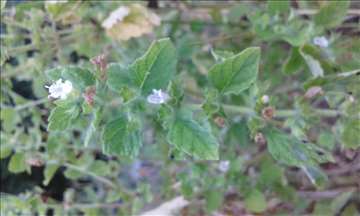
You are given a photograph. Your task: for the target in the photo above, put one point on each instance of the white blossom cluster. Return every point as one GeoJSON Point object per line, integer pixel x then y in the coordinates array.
{"type": "Point", "coordinates": [60, 89]}
{"type": "Point", "coordinates": [158, 97]}
{"type": "Point", "coordinates": [224, 166]}
{"type": "Point", "coordinates": [265, 99]}
{"type": "Point", "coordinates": [321, 41]}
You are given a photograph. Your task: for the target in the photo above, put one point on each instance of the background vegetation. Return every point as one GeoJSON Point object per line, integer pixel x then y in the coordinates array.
{"type": "Point", "coordinates": [286, 132]}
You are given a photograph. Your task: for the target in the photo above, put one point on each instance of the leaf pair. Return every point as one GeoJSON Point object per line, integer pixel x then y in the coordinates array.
{"type": "Point", "coordinates": [123, 137]}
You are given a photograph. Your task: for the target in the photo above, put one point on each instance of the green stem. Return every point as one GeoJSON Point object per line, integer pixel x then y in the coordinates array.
{"type": "Point", "coordinates": [278, 113]}
{"type": "Point", "coordinates": [14, 23]}
{"type": "Point", "coordinates": [27, 105]}
{"type": "Point", "coordinates": [87, 205]}
{"type": "Point", "coordinates": [20, 49]}
{"type": "Point", "coordinates": [318, 112]}
{"type": "Point", "coordinates": [349, 73]}
{"type": "Point", "coordinates": [32, 104]}
{"type": "Point", "coordinates": [84, 171]}
{"type": "Point", "coordinates": [99, 178]}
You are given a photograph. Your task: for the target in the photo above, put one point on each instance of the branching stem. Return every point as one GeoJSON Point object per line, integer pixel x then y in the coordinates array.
{"type": "Point", "coordinates": [278, 113]}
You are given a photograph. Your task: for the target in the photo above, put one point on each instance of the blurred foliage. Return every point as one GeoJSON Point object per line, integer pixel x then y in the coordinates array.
{"type": "Point", "coordinates": [261, 119]}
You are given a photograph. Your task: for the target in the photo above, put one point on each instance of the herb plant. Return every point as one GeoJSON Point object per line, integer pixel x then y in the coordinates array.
{"type": "Point", "coordinates": [199, 108]}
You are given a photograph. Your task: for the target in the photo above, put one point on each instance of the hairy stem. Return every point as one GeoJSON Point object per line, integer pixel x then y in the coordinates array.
{"type": "Point", "coordinates": [278, 113]}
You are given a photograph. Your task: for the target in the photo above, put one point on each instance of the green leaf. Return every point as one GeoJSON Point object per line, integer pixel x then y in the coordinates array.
{"type": "Point", "coordinates": [313, 64]}
{"type": "Point", "coordinates": [289, 150]}
{"type": "Point", "coordinates": [322, 208]}
{"type": "Point", "coordinates": [351, 134]}
{"type": "Point", "coordinates": [118, 77]}
{"type": "Point", "coordinates": [100, 168]}
{"type": "Point", "coordinates": [316, 175]}
{"type": "Point", "coordinates": [338, 203]}
{"type": "Point", "coordinates": [3, 3]}
{"type": "Point", "coordinates": [211, 104]}
{"type": "Point", "coordinates": [186, 187]}
{"type": "Point", "coordinates": [318, 61]}
{"type": "Point", "coordinates": [90, 133]}
{"type": "Point", "coordinates": [49, 172]}
{"type": "Point", "coordinates": [9, 117]}
{"type": "Point", "coordinates": [5, 151]}
{"type": "Point", "coordinates": [156, 68]}
{"type": "Point", "coordinates": [276, 6]}
{"type": "Point", "coordinates": [17, 163]}
{"type": "Point", "coordinates": [221, 55]}
{"type": "Point", "coordinates": [294, 62]}
{"type": "Point", "coordinates": [332, 14]}
{"type": "Point", "coordinates": [193, 139]}
{"type": "Point", "coordinates": [78, 76]}
{"type": "Point", "coordinates": [73, 174]}
{"type": "Point", "coordinates": [327, 140]}
{"type": "Point", "coordinates": [213, 199]}
{"type": "Point", "coordinates": [56, 10]}
{"type": "Point", "coordinates": [54, 73]}
{"type": "Point", "coordinates": [271, 173]}
{"type": "Point", "coordinates": [61, 117]}
{"type": "Point", "coordinates": [238, 134]}
{"type": "Point", "coordinates": [236, 73]}
{"type": "Point", "coordinates": [255, 201]}
{"type": "Point", "coordinates": [122, 137]}
{"type": "Point", "coordinates": [237, 11]}
{"type": "Point", "coordinates": [176, 92]}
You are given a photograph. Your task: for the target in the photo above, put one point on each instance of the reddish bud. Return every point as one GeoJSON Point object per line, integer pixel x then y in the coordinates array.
{"type": "Point", "coordinates": [268, 113]}
{"type": "Point", "coordinates": [260, 139]}
{"type": "Point", "coordinates": [89, 95]}
{"type": "Point", "coordinates": [219, 121]}
{"type": "Point", "coordinates": [100, 62]}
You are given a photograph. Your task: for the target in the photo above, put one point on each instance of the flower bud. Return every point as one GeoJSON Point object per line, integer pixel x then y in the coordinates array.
{"type": "Point", "coordinates": [100, 62]}
{"type": "Point", "coordinates": [219, 121]}
{"type": "Point", "coordinates": [265, 99]}
{"type": "Point", "coordinates": [268, 113]}
{"type": "Point", "coordinates": [260, 139]}
{"type": "Point", "coordinates": [89, 95]}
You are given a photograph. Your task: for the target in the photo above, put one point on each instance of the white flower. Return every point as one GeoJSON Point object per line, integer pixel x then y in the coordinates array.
{"type": "Point", "coordinates": [60, 89]}
{"type": "Point", "coordinates": [321, 41]}
{"type": "Point", "coordinates": [116, 16]}
{"type": "Point", "coordinates": [158, 97]}
{"type": "Point", "coordinates": [224, 166]}
{"type": "Point", "coordinates": [55, 1]}
{"type": "Point", "coordinates": [351, 99]}
{"type": "Point", "coordinates": [265, 99]}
